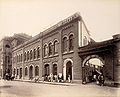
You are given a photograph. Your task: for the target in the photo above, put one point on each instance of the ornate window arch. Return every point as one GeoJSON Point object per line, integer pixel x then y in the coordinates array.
{"type": "Point", "coordinates": [71, 40]}
{"type": "Point", "coordinates": [25, 56]}
{"type": "Point", "coordinates": [50, 48]}
{"type": "Point", "coordinates": [28, 55]}
{"type": "Point", "coordinates": [55, 45]}
{"type": "Point", "coordinates": [34, 53]}
{"type": "Point", "coordinates": [38, 52]}
{"type": "Point", "coordinates": [45, 50]}
{"type": "Point", "coordinates": [65, 44]}
{"type": "Point", "coordinates": [31, 54]}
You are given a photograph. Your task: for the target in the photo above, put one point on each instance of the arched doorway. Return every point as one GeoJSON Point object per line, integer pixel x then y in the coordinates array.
{"type": "Point", "coordinates": [46, 70]}
{"type": "Point", "coordinates": [55, 69]}
{"type": "Point", "coordinates": [68, 69]}
{"type": "Point", "coordinates": [31, 72]}
{"type": "Point", "coordinates": [36, 71]}
{"type": "Point", "coordinates": [20, 73]}
{"type": "Point", "coordinates": [92, 68]}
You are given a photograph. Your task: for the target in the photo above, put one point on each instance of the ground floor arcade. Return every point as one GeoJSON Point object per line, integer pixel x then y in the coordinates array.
{"type": "Point", "coordinates": [34, 71]}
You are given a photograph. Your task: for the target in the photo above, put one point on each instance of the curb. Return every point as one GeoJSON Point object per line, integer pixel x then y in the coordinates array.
{"type": "Point", "coordinates": [51, 83]}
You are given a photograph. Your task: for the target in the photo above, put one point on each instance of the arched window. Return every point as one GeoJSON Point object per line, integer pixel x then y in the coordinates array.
{"type": "Point", "coordinates": [25, 56]}
{"type": "Point", "coordinates": [36, 71]}
{"type": "Point", "coordinates": [64, 44]}
{"type": "Point", "coordinates": [20, 73]}
{"type": "Point", "coordinates": [34, 53]}
{"type": "Point", "coordinates": [28, 55]}
{"type": "Point", "coordinates": [21, 57]}
{"type": "Point", "coordinates": [38, 52]}
{"type": "Point", "coordinates": [7, 46]}
{"type": "Point", "coordinates": [71, 42]}
{"type": "Point", "coordinates": [46, 70]}
{"type": "Point", "coordinates": [85, 41]}
{"type": "Point", "coordinates": [50, 49]}
{"type": "Point", "coordinates": [31, 55]}
{"type": "Point", "coordinates": [55, 47]}
{"type": "Point", "coordinates": [26, 71]}
{"type": "Point", "coordinates": [45, 50]}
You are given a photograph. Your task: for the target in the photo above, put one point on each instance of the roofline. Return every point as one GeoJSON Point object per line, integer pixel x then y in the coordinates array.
{"type": "Point", "coordinates": [54, 27]}
{"type": "Point", "coordinates": [98, 45]}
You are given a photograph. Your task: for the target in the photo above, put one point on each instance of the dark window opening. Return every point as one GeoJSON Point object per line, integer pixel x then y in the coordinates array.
{"type": "Point", "coordinates": [71, 42]}
{"type": "Point", "coordinates": [64, 44]}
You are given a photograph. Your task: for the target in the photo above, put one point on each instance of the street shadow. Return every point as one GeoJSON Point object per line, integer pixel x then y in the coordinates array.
{"type": "Point", "coordinates": [115, 85]}
{"type": "Point", "coordinates": [7, 86]}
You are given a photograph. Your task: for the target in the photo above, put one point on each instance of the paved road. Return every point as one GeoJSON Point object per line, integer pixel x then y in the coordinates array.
{"type": "Point", "coordinates": [27, 89]}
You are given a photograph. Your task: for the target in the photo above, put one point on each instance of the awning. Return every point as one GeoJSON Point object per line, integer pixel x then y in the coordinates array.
{"type": "Point", "coordinates": [96, 61]}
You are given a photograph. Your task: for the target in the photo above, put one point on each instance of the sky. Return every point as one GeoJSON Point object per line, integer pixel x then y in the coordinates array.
{"type": "Point", "coordinates": [102, 17]}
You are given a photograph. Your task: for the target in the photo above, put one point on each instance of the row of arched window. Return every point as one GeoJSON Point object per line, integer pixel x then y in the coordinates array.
{"type": "Point", "coordinates": [68, 43]}
{"type": "Point", "coordinates": [51, 48]}
{"type": "Point", "coordinates": [36, 70]}
{"type": "Point", "coordinates": [29, 55]}
{"type": "Point", "coordinates": [19, 58]}
{"type": "Point", "coordinates": [32, 54]}
{"type": "Point", "coordinates": [30, 70]}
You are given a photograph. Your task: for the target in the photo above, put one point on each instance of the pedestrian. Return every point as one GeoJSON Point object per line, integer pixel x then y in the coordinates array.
{"type": "Point", "coordinates": [55, 76]}
{"type": "Point", "coordinates": [51, 77]}
{"type": "Point", "coordinates": [69, 78]}
{"type": "Point", "coordinates": [102, 79]}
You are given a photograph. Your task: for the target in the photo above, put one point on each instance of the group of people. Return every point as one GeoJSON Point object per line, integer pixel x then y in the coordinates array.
{"type": "Point", "coordinates": [51, 78]}
{"type": "Point", "coordinates": [9, 77]}
{"type": "Point", "coordinates": [95, 76]}
{"type": "Point", "coordinates": [99, 79]}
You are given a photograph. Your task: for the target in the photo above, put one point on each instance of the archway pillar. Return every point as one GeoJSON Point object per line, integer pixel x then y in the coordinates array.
{"type": "Point", "coordinates": [33, 72]}
{"type": "Point", "coordinates": [51, 68]}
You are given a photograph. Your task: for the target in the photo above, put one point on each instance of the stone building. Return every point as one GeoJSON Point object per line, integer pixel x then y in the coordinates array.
{"type": "Point", "coordinates": [54, 50]}
{"type": "Point", "coordinates": [63, 49]}
{"type": "Point", "coordinates": [6, 46]}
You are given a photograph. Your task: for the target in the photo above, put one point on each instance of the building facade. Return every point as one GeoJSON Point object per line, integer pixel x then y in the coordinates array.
{"type": "Point", "coordinates": [64, 49]}
{"type": "Point", "coordinates": [6, 46]}
{"type": "Point", "coordinates": [54, 50]}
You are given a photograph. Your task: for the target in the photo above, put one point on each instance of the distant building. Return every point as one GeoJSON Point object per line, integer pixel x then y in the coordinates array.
{"type": "Point", "coordinates": [6, 46]}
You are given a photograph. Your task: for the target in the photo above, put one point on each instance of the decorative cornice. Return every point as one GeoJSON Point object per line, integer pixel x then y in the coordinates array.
{"type": "Point", "coordinates": [56, 26]}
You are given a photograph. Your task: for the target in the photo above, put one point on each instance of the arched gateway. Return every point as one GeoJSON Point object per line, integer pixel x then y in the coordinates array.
{"type": "Point", "coordinates": [92, 66]}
